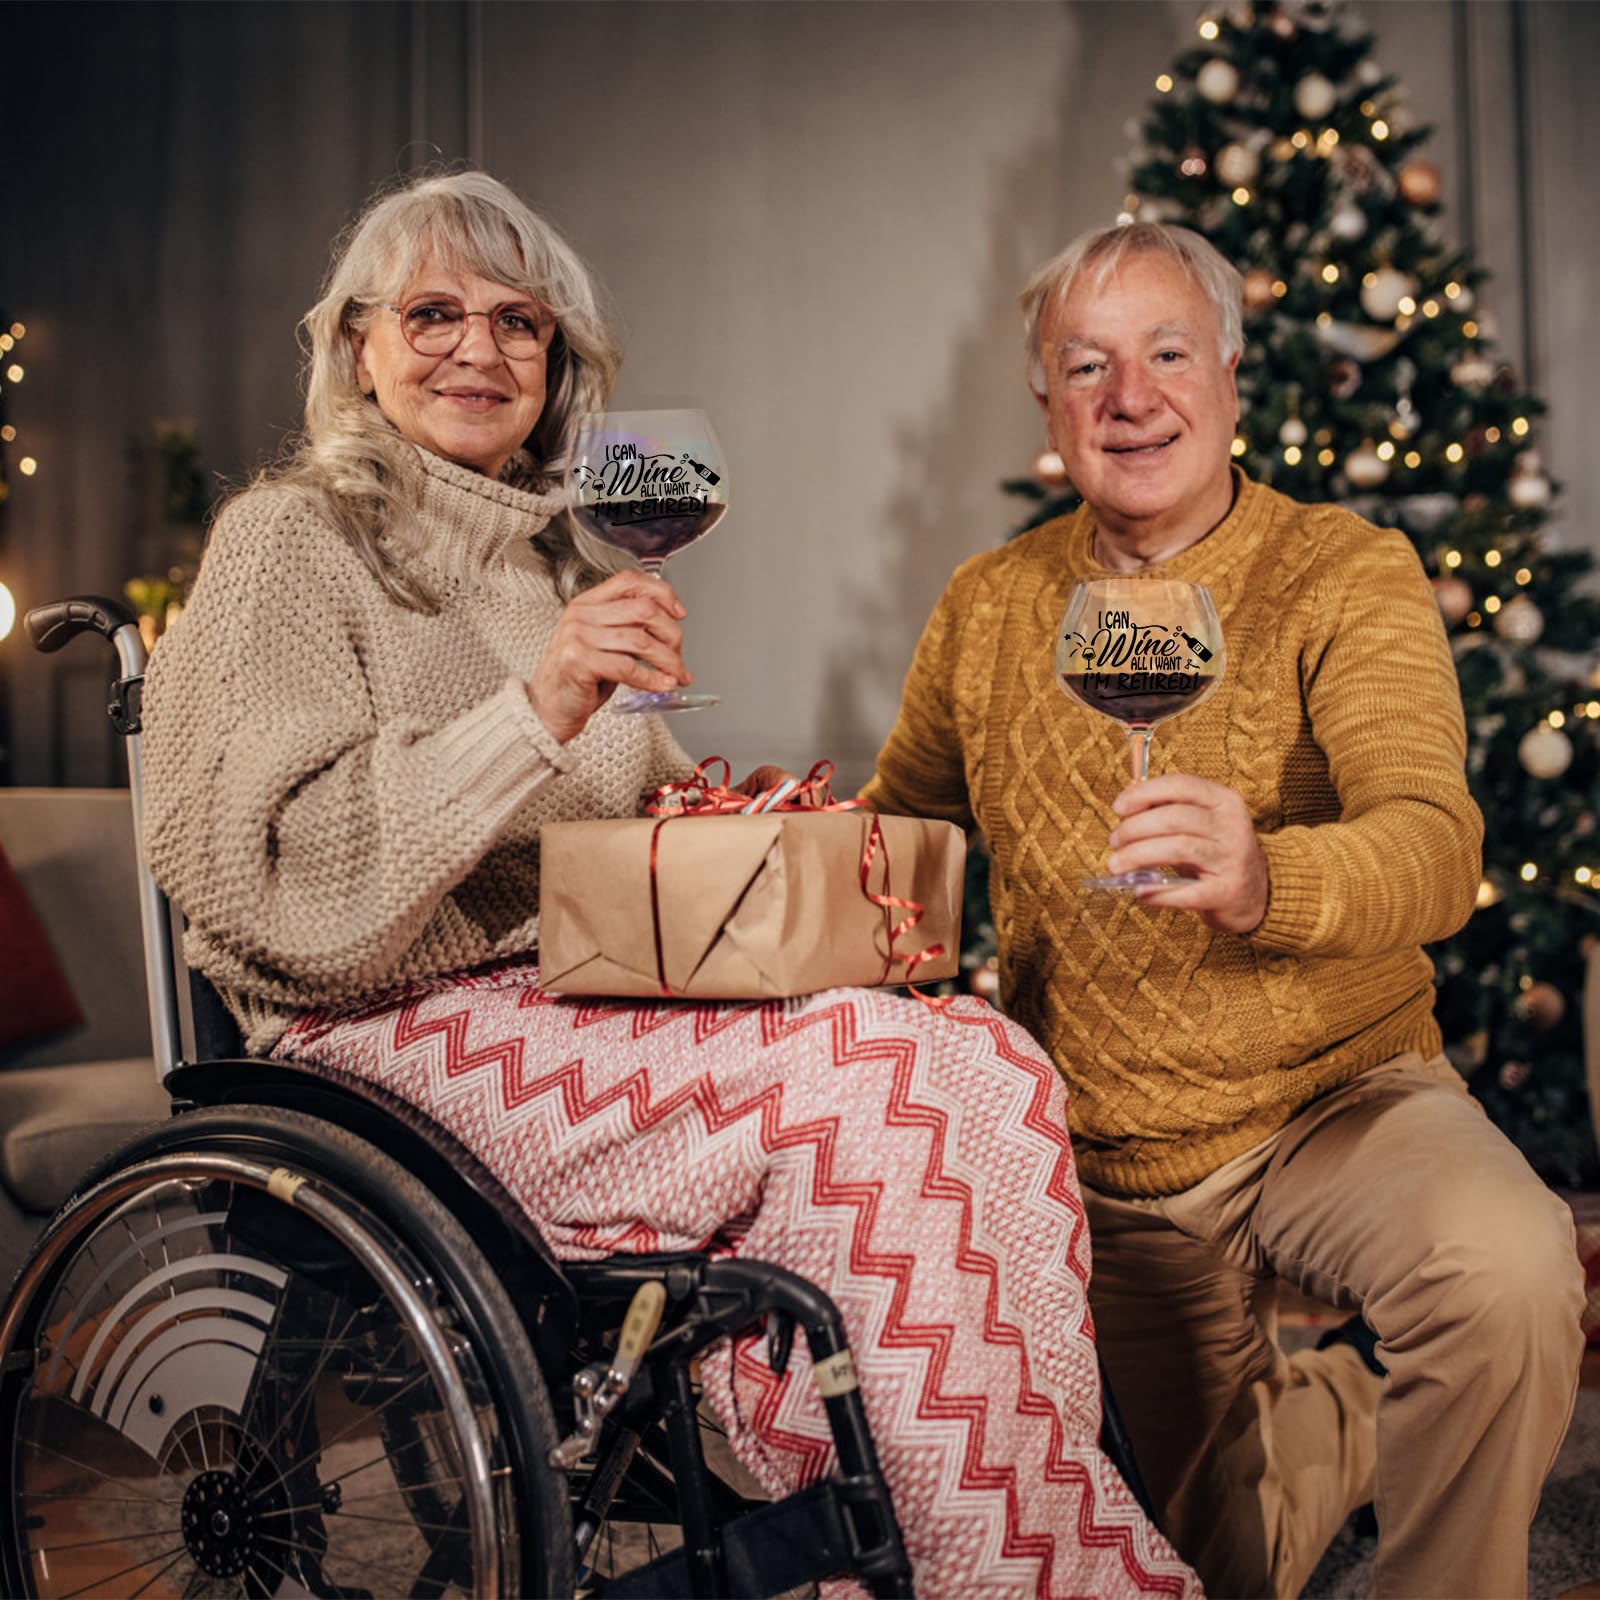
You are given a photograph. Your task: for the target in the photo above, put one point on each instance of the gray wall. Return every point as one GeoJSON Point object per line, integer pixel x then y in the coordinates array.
{"type": "Point", "coordinates": [812, 217]}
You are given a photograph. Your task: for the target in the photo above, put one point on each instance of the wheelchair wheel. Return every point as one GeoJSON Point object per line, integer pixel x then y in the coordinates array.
{"type": "Point", "coordinates": [256, 1357]}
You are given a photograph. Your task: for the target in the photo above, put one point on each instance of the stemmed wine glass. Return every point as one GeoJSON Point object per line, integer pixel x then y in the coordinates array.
{"type": "Point", "coordinates": [1139, 650]}
{"type": "Point", "coordinates": [648, 483]}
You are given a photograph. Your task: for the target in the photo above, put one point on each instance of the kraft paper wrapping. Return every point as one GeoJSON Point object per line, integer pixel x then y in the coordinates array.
{"type": "Point", "coordinates": [751, 908]}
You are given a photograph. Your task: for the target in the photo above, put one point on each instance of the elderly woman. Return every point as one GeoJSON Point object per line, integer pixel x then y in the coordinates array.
{"type": "Point", "coordinates": [394, 670]}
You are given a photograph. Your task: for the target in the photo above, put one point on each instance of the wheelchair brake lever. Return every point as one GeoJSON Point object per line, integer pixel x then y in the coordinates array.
{"type": "Point", "coordinates": [597, 1388]}
{"type": "Point", "coordinates": [780, 1341]}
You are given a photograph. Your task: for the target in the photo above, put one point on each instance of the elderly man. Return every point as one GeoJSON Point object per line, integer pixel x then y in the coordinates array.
{"type": "Point", "coordinates": [1257, 1085]}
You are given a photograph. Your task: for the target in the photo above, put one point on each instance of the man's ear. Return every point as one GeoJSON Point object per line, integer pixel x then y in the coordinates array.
{"type": "Point", "coordinates": [358, 348]}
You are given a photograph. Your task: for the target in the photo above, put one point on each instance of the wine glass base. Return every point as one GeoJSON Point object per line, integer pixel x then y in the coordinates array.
{"type": "Point", "coordinates": [1140, 878]}
{"type": "Point", "coordinates": [664, 700]}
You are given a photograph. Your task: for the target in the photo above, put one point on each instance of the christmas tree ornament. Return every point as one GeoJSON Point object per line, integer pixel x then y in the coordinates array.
{"type": "Point", "coordinates": [1364, 467]}
{"type": "Point", "coordinates": [1293, 432]}
{"type": "Point", "coordinates": [1470, 1052]}
{"type": "Point", "coordinates": [1282, 150]}
{"type": "Point", "coordinates": [1472, 371]}
{"type": "Point", "coordinates": [1420, 183]}
{"type": "Point", "coordinates": [1528, 488]}
{"type": "Point", "coordinates": [1359, 340]}
{"type": "Point", "coordinates": [1514, 1074]}
{"type": "Point", "coordinates": [1382, 293]}
{"type": "Point", "coordinates": [1217, 81]}
{"type": "Point", "coordinates": [1348, 222]}
{"type": "Point", "coordinates": [1344, 378]}
{"type": "Point", "coordinates": [1192, 163]}
{"type": "Point", "coordinates": [1426, 513]}
{"type": "Point", "coordinates": [1282, 25]}
{"type": "Point", "coordinates": [1461, 300]}
{"type": "Point", "coordinates": [1237, 164]}
{"type": "Point", "coordinates": [1314, 96]}
{"type": "Point", "coordinates": [1315, 16]}
{"type": "Point", "coordinates": [1544, 751]}
{"type": "Point", "coordinates": [1454, 596]}
{"type": "Point", "coordinates": [1050, 469]}
{"type": "Point", "coordinates": [1520, 621]}
{"type": "Point", "coordinates": [1257, 289]}
{"type": "Point", "coordinates": [1369, 73]}
{"type": "Point", "coordinates": [1542, 1005]}
{"type": "Point", "coordinates": [984, 982]}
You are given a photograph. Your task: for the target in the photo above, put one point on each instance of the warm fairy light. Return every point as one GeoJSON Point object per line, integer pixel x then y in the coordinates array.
{"type": "Point", "coordinates": [14, 373]}
{"type": "Point", "coordinates": [1557, 719]}
{"type": "Point", "coordinates": [1406, 305]}
{"type": "Point", "coordinates": [1412, 459]}
{"type": "Point", "coordinates": [1369, 108]}
{"type": "Point", "coordinates": [1487, 893]}
{"type": "Point", "coordinates": [27, 466]}
{"type": "Point", "coordinates": [1452, 291]}
{"type": "Point", "coordinates": [8, 611]}
{"type": "Point", "coordinates": [1452, 559]}
{"type": "Point", "coordinates": [1324, 318]}
{"type": "Point", "coordinates": [17, 330]}
{"type": "Point", "coordinates": [1491, 558]}
{"type": "Point", "coordinates": [8, 433]}
{"type": "Point", "coordinates": [1386, 450]}
{"type": "Point", "coordinates": [1368, 279]}
{"type": "Point", "coordinates": [1454, 452]}
{"type": "Point", "coordinates": [1593, 708]}
{"type": "Point", "coordinates": [1470, 329]}
{"type": "Point", "coordinates": [1519, 425]}
{"type": "Point", "coordinates": [1241, 196]}
{"type": "Point", "coordinates": [1291, 454]}
{"type": "Point", "coordinates": [1300, 139]}
{"type": "Point", "coordinates": [1474, 619]}
{"type": "Point", "coordinates": [1164, 84]}
{"type": "Point", "coordinates": [1239, 446]}
{"type": "Point", "coordinates": [1208, 28]}
{"type": "Point", "coordinates": [1582, 874]}
{"type": "Point", "coordinates": [1279, 288]}
{"type": "Point", "coordinates": [1529, 872]}
{"type": "Point", "coordinates": [1330, 273]}
{"type": "Point", "coordinates": [6, 341]}
{"type": "Point", "coordinates": [1328, 138]}
{"type": "Point", "coordinates": [1398, 429]}
{"type": "Point", "coordinates": [1492, 604]}
{"type": "Point", "coordinates": [1524, 575]}
{"type": "Point", "coordinates": [1380, 130]}
{"type": "Point", "coordinates": [1431, 308]}
{"type": "Point", "coordinates": [1326, 458]}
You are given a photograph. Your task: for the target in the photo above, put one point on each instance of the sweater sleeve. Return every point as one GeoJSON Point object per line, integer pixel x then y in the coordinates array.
{"type": "Point", "coordinates": [289, 823]}
{"type": "Point", "coordinates": [920, 771]}
{"type": "Point", "coordinates": [1401, 864]}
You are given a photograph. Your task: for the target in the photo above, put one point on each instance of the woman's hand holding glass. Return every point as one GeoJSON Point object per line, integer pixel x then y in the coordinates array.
{"type": "Point", "coordinates": [623, 631]}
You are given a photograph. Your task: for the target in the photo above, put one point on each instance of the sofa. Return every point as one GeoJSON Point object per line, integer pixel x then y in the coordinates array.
{"type": "Point", "coordinates": [71, 1097]}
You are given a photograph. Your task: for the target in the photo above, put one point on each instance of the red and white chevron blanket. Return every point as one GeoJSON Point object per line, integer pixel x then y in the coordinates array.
{"type": "Point", "coordinates": [912, 1163]}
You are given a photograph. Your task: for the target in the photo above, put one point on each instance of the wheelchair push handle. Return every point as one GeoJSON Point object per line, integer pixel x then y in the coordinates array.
{"type": "Point", "coordinates": [53, 625]}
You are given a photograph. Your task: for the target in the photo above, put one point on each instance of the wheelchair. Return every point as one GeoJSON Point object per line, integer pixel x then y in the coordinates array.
{"type": "Point", "coordinates": [296, 1341]}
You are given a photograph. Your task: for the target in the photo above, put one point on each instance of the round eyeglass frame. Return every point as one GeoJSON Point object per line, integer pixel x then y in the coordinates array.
{"type": "Point", "coordinates": [547, 324]}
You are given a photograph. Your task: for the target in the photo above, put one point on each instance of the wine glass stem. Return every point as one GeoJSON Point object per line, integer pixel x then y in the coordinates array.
{"type": "Point", "coordinates": [652, 565]}
{"type": "Point", "coordinates": [1139, 751]}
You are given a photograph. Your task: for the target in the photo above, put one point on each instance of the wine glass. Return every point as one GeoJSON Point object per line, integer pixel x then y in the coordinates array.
{"type": "Point", "coordinates": [648, 483]}
{"type": "Point", "coordinates": [1139, 650]}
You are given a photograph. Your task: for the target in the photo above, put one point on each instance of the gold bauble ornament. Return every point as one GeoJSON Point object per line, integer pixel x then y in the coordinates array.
{"type": "Point", "coordinates": [1257, 289]}
{"type": "Point", "coordinates": [1420, 183]}
{"type": "Point", "coordinates": [1543, 1005]}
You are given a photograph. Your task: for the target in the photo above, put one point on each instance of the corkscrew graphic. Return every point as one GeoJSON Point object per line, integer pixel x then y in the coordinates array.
{"type": "Point", "coordinates": [713, 478]}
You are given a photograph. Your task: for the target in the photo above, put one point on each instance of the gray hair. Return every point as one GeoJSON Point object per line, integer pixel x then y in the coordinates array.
{"type": "Point", "coordinates": [1101, 252]}
{"type": "Point", "coordinates": [364, 474]}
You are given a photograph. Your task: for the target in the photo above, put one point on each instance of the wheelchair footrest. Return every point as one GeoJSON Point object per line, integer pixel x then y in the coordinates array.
{"type": "Point", "coordinates": [833, 1528]}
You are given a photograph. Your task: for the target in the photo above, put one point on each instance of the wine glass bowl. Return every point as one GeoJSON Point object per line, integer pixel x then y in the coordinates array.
{"type": "Point", "coordinates": [648, 483]}
{"type": "Point", "coordinates": [1138, 650]}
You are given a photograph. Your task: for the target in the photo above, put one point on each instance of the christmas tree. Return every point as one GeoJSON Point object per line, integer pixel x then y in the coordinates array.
{"type": "Point", "coordinates": [1370, 377]}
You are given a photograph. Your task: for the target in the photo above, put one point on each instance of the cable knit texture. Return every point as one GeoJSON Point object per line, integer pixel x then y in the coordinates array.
{"type": "Point", "coordinates": [1338, 720]}
{"type": "Point", "coordinates": [344, 794]}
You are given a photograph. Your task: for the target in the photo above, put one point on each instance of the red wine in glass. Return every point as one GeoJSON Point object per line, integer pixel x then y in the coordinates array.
{"type": "Point", "coordinates": [1138, 650]}
{"type": "Point", "coordinates": [648, 483]}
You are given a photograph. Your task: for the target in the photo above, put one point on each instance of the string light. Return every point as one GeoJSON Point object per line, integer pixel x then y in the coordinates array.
{"type": "Point", "coordinates": [1452, 291]}
{"type": "Point", "coordinates": [1327, 139]}
{"type": "Point", "coordinates": [1291, 454]}
{"type": "Point", "coordinates": [1300, 139]}
{"type": "Point", "coordinates": [1431, 308]}
{"type": "Point", "coordinates": [1582, 874]}
{"type": "Point", "coordinates": [1380, 129]}
{"type": "Point", "coordinates": [1386, 450]}
{"type": "Point", "coordinates": [27, 466]}
{"type": "Point", "coordinates": [1470, 329]}
{"type": "Point", "coordinates": [1529, 872]}
{"type": "Point", "coordinates": [17, 330]}
{"type": "Point", "coordinates": [8, 433]}
{"type": "Point", "coordinates": [1325, 458]}
{"type": "Point", "coordinates": [1474, 619]}
{"type": "Point", "coordinates": [1487, 893]}
{"type": "Point", "coordinates": [1492, 435]}
{"type": "Point", "coordinates": [1492, 558]}
{"type": "Point", "coordinates": [1454, 452]}
{"type": "Point", "coordinates": [1330, 273]}
{"type": "Point", "coordinates": [1557, 719]}
{"type": "Point", "coordinates": [1406, 305]}
{"type": "Point", "coordinates": [1452, 558]}
{"type": "Point", "coordinates": [1163, 84]}
{"type": "Point", "coordinates": [1279, 288]}
{"type": "Point", "coordinates": [14, 373]}
{"type": "Point", "coordinates": [1238, 446]}
{"type": "Point", "coordinates": [1593, 708]}
{"type": "Point", "coordinates": [7, 342]}
{"type": "Point", "coordinates": [8, 611]}
{"type": "Point", "coordinates": [1241, 196]}
{"type": "Point", "coordinates": [1519, 425]}
{"type": "Point", "coordinates": [1208, 28]}
{"type": "Point", "coordinates": [1524, 575]}
{"type": "Point", "coordinates": [1492, 604]}
{"type": "Point", "coordinates": [1412, 459]}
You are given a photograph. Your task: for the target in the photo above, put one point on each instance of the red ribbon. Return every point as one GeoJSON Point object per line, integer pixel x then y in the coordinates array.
{"type": "Point", "coordinates": [698, 796]}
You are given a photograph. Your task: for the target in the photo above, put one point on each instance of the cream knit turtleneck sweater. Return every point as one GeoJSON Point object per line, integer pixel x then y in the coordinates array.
{"type": "Point", "coordinates": [343, 794]}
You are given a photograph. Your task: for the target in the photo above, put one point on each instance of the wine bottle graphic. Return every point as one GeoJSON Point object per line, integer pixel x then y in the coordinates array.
{"type": "Point", "coordinates": [713, 478]}
{"type": "Point", "coordinates": [1194, 644]}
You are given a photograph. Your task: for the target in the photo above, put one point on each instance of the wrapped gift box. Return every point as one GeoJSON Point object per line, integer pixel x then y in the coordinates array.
{"type": "Point", "coordinates": [745, 907]}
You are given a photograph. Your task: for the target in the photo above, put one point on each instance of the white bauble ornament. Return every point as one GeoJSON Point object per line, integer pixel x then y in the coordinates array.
{"type": "Point", "coordinates": [1546, 752]}
{"type": "Point", "coordinates": [1381, 298]}
{"type": "Point", "coordinates": [1237, 164]}
{"type": "Point", "coordinates": [1217, 81]}
{"type": "Point", "coordinates": [1314, 96]}
{"type": "Point", "coordinates": [1364, 467]}
{"type": "Point", "coordinates": [1293, 431]}
{"type": "Point", "coordinates": [1472, 371]}
{"type": "Point", "coordinates": [1528, 490]}
{"type": "Point", "coordinates": [1461, 300]}
{"type": "Point", "coordinates": [1519, 620]}
{"type": "Point", "coordinates": [1369, 73]}
{"type": "Point", "coordinates": [1347, 222]}
{"type": "Point", "coordinates": [1454, 596]}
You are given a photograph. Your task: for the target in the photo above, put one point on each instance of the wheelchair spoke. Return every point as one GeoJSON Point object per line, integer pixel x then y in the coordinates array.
{"type": "Point", "coordinates": [366, 1561]}
{"type": "Point", "coordinates": [101, 1579]}
{"type": "Point", "coordinates": [83, 1466]}
{"type": "Point", "coordinates": [156, 1577]}
{"type": "Point", "coordinates": [119, 1537]}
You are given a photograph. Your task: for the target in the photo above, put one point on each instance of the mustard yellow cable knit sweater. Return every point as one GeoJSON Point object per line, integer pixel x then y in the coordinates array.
{"type": "Point", "coordinates": [1338, 720]}
{"type": "Point", "coordinates": [343, 794]}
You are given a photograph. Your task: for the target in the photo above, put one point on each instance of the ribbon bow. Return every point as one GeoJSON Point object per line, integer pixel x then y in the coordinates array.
{"type": "Point", "coordinates": [698, 796]}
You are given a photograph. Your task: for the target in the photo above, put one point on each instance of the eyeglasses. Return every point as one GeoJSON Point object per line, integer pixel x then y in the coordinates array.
{"type": "Point", "coordinates": [434, 324]}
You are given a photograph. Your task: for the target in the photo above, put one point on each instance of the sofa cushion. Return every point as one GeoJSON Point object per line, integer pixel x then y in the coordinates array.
{"type": "Point", "coordinates": [55, 1123]}
{"type": "Point", "coordinates": [35, 997]}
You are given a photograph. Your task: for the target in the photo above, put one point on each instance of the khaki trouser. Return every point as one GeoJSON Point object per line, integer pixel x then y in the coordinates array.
{"type": "Point", "coordinates": [1395, 1197]}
